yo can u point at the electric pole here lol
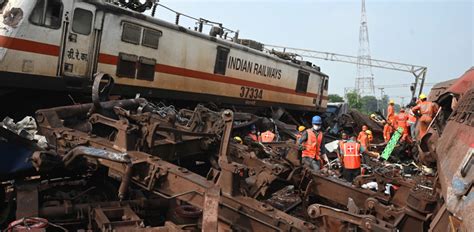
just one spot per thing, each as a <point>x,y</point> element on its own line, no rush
<point>365,78</point>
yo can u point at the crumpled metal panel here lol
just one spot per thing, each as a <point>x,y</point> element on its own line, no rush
<point>454,160</point>
<point>464,83</point>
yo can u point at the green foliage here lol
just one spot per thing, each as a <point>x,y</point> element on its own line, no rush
<point>335,98</point>
<point>368,104</point>
<point>353,99</point>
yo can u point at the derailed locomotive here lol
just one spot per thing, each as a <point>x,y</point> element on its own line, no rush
<point>60,45</point>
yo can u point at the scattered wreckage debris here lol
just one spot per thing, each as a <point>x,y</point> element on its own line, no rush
<point>130,164</point>
<point>118,169</point>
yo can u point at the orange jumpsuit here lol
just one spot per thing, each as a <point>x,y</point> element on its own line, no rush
<point>391,113</point>
<point>387,132</point>
<point>427,110</point>
<point>402,121</point>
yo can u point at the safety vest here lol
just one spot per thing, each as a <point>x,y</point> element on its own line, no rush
<point>267,137</point>
<point>253,137</point>
<point>351,158</point>
<point>312,145</point>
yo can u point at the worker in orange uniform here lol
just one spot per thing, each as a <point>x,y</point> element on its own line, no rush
<point>351,152</point>
<point>362,138</point>
<point>312,144</point>
<point>391,111</point>
<point>402,121</point>
<point>387,131</point>
<point>427,110</point>
<point>362,132</point>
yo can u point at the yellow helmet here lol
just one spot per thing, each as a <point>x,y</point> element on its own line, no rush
<point>301,128</point>
<point>368,132</point>
<point>391,101</point>
<point>238,139</point>
<point>372,115</point>
<point>422,96</point>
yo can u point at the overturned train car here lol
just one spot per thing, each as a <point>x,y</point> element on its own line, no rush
<point>60,45</point>
<point>449,146</point>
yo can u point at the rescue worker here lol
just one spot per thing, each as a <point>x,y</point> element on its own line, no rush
<point>412,124</point>
<point>391,111</point>
<point>387,131</point>
<point>351,152</point>
<point>267,136</point>
<point>301,129</point>
<point>427,110</point>
<point>312,143</point>
<point>402,121</point>
<point>362,133</point>
<point>363,139</point>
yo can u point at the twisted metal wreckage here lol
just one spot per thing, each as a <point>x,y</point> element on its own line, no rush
<point>129,165</point>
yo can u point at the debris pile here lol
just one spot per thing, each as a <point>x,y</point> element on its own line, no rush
<point>130,164</point>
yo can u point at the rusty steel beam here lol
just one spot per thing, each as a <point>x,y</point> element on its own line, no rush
<point>365,222</point>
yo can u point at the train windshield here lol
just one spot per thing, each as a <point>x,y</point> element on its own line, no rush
<point>47,13</point>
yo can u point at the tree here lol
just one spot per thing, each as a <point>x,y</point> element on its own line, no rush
<point>369,104</point>
<point>335,98</point>
<point>353,100</point>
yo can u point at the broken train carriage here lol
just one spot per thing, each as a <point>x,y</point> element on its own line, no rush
<point>59,45</point>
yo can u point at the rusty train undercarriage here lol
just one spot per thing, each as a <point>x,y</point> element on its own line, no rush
<point>131,165</point>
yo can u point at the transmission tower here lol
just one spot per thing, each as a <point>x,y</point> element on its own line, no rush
<point>365,78</point>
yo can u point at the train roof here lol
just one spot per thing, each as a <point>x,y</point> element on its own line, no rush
<point>103,5</point>
<point>457,86</point>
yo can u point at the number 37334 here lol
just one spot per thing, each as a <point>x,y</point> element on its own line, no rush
<point>251,93</point>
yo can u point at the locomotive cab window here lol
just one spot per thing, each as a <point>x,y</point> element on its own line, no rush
<point>221,60</point>
<point>151,38</point>
<point>146,69</point>
<point>47,13</point>
<point>82,21</point>
<point>302,82</point>
<point>131,33</point>
<point>126,66</point>
<point>326,83</point>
